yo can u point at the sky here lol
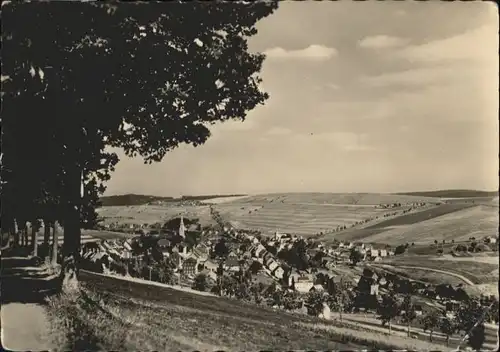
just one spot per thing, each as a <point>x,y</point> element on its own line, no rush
<point>364,97</point>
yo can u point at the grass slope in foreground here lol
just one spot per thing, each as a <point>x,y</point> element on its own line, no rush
<point>114,314</point>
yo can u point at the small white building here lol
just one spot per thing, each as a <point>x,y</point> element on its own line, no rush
<point>279,272</point>
<point>304,284</point>
<point>273,265</point>
<point>259,251</point>
<point>326,313</point>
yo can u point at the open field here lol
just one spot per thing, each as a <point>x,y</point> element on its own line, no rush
<point>413,218</point>
<point>114,314</point>
<point>309,213</point>
<point>454,193</point>
<point>442,224</point>
<point>333,198</point>
<point>301,219</point>
<point>149,214</point>
<point>479,272</point>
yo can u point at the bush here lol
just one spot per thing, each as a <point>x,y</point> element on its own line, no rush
<point>400,249</point>
<point>200,283</point>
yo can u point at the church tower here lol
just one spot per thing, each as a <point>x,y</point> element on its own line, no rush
<point>182,229</point>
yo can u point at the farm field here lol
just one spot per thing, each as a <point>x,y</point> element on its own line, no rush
<point>465,221</point>
<point>301,219</point>
<point>149,214</point>
<point>332,198</point>
<point>132,316</point>
<point>413,218</point>
<point>479,272</point>
<point>308,213</point>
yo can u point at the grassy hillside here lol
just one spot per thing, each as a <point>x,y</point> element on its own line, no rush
<point>452,193</point>
<point>130,199</point>
<point>331,198</point>
<point>113,314</point>
<point>149,214</point>
<point>140,199</point>
<point>449,222</point>
<point>309,213</point>
<point>302,219</point>
<point>478,271</point>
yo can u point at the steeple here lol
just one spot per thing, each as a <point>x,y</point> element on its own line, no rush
<point>182,229</point>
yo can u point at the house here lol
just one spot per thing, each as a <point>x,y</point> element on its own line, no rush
<point>383,252</point>
<point>232,264</point>
<point>267,256</point>
<point>190,266</point>
<point>418,310</point>
<point>199,255</point>
<point>374,289</point>
<point>279,272</point>
<point>373,253</point>
<point>268,261</point>
<point>210,265</point>
<point>303,284</point>
<point>209,273</point>
<point>259,251</point>
<point>326,313</point>
<point>491,239</point>
<point>272,265</point>
<point>318,288</point>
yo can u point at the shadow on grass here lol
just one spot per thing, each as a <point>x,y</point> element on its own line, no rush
<point>23,280</point>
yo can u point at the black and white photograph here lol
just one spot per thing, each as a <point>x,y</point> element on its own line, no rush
<point>249,175</point>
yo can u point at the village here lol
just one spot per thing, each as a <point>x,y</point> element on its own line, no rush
<point>283,271</point>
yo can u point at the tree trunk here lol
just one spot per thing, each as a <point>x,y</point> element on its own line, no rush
<point>46,233</point>
<point>55,241</point>
<point>447,340</point>
<point>390,327</point>
<point>71,244</point>
<point>408,329</point>
<point>34,238</point>
<point>430,336</point>
<point>25,235</point>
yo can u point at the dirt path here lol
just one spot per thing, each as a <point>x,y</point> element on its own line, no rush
<point>25,327</point>
<point>461,277</point>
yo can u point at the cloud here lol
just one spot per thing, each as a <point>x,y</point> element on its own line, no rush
<point>381,42</point>
<point>313,52</point>
<point>479,44</point>
<point>419,76</point>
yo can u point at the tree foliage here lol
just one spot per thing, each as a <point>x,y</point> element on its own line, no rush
<point>430,322</point>
<point>388,309</point>
<point>79,77</point>
<point>200,282</point>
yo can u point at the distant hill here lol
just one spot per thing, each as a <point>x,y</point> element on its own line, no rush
<point>452,193</point>
<point>140,199</point>
<point>130,199</point>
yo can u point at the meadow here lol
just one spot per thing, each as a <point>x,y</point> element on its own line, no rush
<point>112,314</point>
<point>150,214</point>
<point>309,213</point>
<point>447,222</point>
<point>479,272</point>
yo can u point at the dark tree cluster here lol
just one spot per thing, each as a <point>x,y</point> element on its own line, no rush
<point>79,77</point>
